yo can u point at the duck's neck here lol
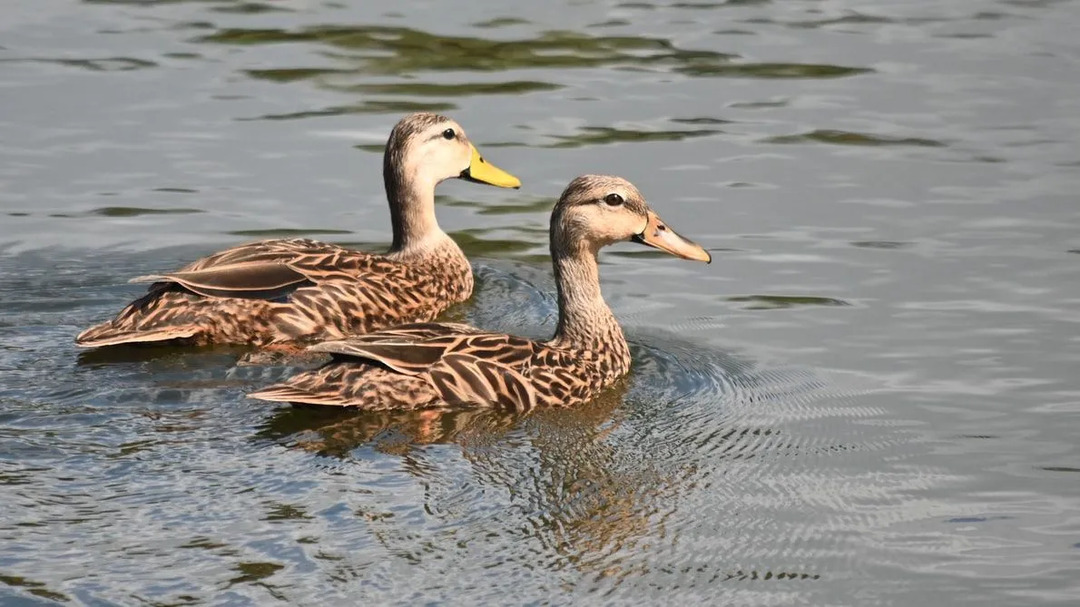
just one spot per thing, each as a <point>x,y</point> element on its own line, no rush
<point>412,212</point>
<point>418,239</point>
<point>412,209</point>
<point>585,320</point>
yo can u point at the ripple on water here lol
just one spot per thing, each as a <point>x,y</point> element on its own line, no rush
<point>243,496</point>
<point>694,428</point>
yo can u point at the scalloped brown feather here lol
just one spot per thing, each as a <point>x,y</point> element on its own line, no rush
<point>279,291</point>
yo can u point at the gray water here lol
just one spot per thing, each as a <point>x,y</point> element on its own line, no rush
<point>870,397</point>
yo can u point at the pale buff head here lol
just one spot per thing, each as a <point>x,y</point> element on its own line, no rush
<point>597,210</point>
<point>423,150</point>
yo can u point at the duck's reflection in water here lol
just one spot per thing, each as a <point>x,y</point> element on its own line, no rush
<point>566,480</point>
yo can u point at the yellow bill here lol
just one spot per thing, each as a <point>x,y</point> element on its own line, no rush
<point>483,171</point>
<point>657,235</point>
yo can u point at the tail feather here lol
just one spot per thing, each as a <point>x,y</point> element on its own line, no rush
<point>108,334</point>
<point>284,393</point>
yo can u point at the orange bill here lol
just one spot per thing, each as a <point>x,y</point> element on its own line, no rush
<point>658,235</point>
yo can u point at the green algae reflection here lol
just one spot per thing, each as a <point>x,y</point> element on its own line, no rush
<point>376,106</point>
<point>835,137</point>
<point>780,302</point>
<point>595,135</point>
<point>401,51</point>
<point>396,50</point>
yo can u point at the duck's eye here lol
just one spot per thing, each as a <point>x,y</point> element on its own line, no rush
<point>613,199</point>
<point>449,134</point>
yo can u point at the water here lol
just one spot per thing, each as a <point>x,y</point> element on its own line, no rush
<point>870,397</point>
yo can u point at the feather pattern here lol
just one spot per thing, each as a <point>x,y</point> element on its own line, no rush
<point>289,290</point>
<point>438,365</point>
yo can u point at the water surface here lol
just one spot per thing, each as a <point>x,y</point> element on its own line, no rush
<point>869,397</point>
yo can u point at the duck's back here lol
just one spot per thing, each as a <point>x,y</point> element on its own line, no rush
<point>278,291</point>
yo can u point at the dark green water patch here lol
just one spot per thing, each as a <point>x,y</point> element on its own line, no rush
<point>473,243</point>
<point>964,36</point>
<point>725,4</point>
<point>599,135</point>
<point>501,22</point>
<point>204,543</point>
<point>429,89</point>
<point>835,137</point>
<point>771,70</point>
<point>285,232</point>
<point>376,148</point>
<point>610,23</point>
<point>285,512</point>
<point>105,64</point>
<point>383,106</point>
<point>182,55</point>
<point>778,302</point>
<point>32,587</point>
<point>253,572</point>
<point>250,8</point>
<point>880,244</point>
<point>701,120</point>
<point>137,211</point>
<point>423,89</point>
<point>533,205</point>
<point>396,50</point>
<point>292,74</point>
<point>850,18</point>
<point>754,105</point>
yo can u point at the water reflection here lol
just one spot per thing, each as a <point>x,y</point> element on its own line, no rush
<point>337,432</point>
<point>399,50</point>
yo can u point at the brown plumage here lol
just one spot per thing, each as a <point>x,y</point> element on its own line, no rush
<point>429,365</point>
<point>280,291</point>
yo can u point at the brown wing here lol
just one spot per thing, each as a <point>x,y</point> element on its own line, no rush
<point>408,349</point>
<point>250,280</point>
<point>269,269</point>
<point>463,364</point>
<point>466,379</point>
<point>412,348</point>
